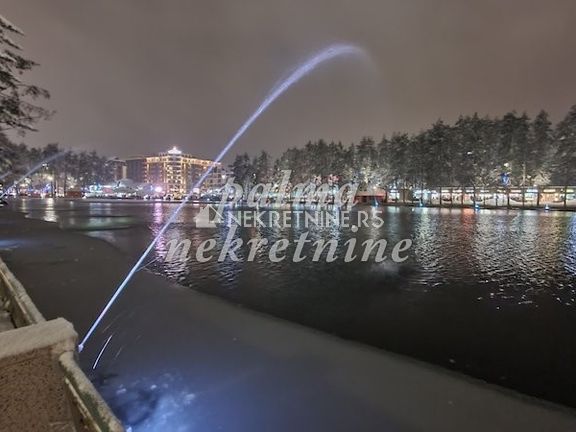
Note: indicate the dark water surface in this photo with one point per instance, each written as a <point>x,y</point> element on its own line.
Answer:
<point>490,293</point>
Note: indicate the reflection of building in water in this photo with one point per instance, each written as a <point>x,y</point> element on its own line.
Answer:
<point>174,172</point>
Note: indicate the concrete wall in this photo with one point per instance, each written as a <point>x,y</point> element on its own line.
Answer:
<point>42,388</point>
<point>33,393</point>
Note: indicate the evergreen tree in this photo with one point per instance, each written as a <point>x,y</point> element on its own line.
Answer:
<point>513,145</point>
<point>243,170</point>
<point>399,159</point>
<point>565,154</point>
<point>474,152</point>
<point>467,146</point>
<point>365,162</point>
<point>17,99</point>
<point>383,168</point>
<point>437,149</point>
<point>262,168</point>
<point>540,150</point>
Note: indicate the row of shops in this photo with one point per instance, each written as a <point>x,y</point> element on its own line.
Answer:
<point>529,197</point>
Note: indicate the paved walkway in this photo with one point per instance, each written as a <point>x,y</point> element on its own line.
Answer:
<point>175,359</point>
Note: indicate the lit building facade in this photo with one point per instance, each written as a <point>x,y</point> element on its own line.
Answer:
<point>175,173</point>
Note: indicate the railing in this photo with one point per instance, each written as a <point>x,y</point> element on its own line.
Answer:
<point>93,412</point>
<point>16,300</point>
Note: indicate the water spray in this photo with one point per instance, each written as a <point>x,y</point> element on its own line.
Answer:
<point>32,171</point>
<point>302,70</point>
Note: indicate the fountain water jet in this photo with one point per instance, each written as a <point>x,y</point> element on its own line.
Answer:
<point>305,68</point>
<point>31,171</point>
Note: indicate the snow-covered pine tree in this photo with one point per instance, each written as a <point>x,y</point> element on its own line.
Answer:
<point>18,110</point>
<point>565,157</point>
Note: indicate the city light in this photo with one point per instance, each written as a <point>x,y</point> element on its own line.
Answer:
<point>299,73</point>
<point>174,151</point>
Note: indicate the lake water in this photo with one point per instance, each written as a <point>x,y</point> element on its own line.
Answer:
<point>490,293</point>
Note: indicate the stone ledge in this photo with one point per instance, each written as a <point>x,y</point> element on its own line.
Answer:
<point>33,393</point>
<point>42,388</point>
<point>57,335</point>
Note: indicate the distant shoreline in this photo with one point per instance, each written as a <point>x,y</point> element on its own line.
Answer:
<point>458,206</point>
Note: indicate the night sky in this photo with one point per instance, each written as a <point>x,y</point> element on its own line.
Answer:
<point>134,77</point>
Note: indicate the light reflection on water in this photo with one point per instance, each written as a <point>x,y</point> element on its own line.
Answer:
<point>514,256</point>
<point>490,293</point>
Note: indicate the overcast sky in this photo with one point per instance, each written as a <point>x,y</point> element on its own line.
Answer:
<point>132,77</point>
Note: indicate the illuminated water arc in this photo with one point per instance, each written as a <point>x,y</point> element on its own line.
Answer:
<point>305,68</point>
<point>32,171</point>
<point>101,352</point>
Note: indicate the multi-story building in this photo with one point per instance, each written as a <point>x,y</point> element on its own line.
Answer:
<point>117,168</point>
<point>174,172</point>
<point>136,169</point>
